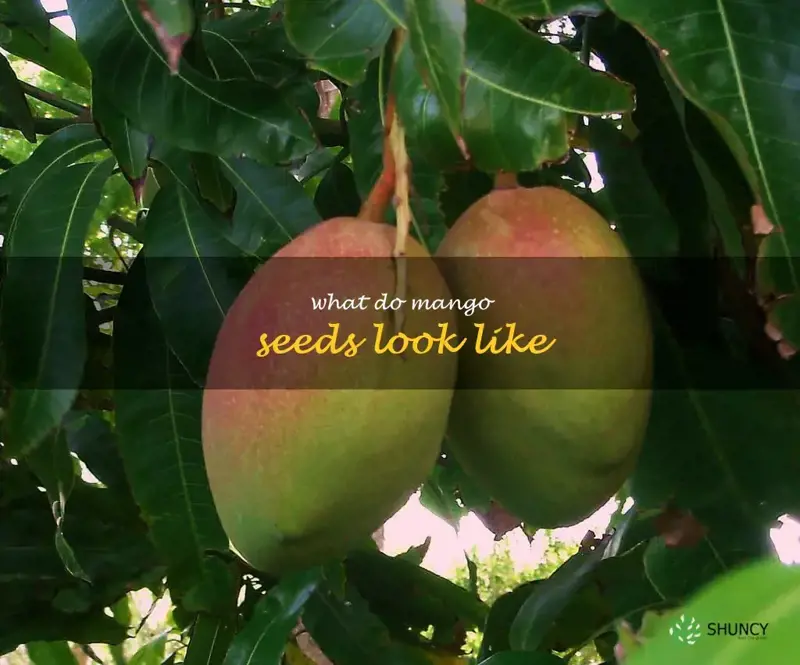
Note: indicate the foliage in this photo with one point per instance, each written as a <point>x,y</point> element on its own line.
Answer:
<point>149,165</point>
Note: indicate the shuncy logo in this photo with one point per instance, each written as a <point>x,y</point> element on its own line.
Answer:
<point>686,630</point>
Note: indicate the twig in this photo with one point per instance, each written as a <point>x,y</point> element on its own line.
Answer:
<point>52,99</point>
<point>103,276</point>
<point>58,14</point>
<point>40,125</point>
<point>586,51</point>
<point>217,8</point>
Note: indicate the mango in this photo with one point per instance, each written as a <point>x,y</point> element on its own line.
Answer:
<point>549,429</point>
<point>309,451</point>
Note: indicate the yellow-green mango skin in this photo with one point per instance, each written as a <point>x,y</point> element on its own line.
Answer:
<point>554,454</point>
<point>300,474</point>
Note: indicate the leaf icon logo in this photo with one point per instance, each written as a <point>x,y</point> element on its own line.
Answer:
<point>686,630</point>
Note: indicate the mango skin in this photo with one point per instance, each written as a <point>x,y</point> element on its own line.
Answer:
<point>300,474</point>
<point>558,446</point>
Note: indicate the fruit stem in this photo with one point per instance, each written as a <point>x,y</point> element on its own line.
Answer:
<point>380,196</point>
<point>505,180</point>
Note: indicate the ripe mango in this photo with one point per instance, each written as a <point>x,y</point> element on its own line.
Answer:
<point>551,436</point>
<point>309,453</point>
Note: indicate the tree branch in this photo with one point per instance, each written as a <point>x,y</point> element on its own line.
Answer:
<point>40,125</point>
<point>52,99</point>
<point>104,276</point>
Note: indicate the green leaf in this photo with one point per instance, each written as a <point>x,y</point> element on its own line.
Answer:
<point>210,640</point>
<point>212,185</point>
<point>263,639</point>
<point>151,653</point>
<point>172,22</point>
<point>158,424</point>
<point>766,592</point>
<point>31,15</point>
<point>543,9</point>
<point>13,100</point>
<point>500,82</point>
<point>43,308</point>
<point>436,35</point>
<point>189,110</point>
<point>341,623</point>
<point>60,55</point>
<point>549,598</point>
<point>337,195</point>
<point>130,146</point>
<point>271,207</point>
<point>50,653</point>
<point>722,56</point>
<point>397,589</point>
<point>340,37</point>
<point>639,213</point>
<point>90,437</point>
<point>189,260</point>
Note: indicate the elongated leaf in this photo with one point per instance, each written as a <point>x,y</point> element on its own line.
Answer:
<point>222,117</point>
<point>264,637</point>
<point>341,37</point>
<point>271,207</point>
<point>638,212</point>
<point>549,598</point>
<point>173,22</point>
<point>767,592</point>
<point>158,424</point>
<point>210,640</point>
<point>341,622</point>
<point>189,260</point>
<point>509,72</point>
<point>151,653</point>
<point>130,146</point>
<point>32,16</point>
<point>50,653</point>
<point>43,310</point>
<point>12,99</point>
<point>61,55</point>
<point>542,9</point>
<point>722,56</point>
<point>436,34</point>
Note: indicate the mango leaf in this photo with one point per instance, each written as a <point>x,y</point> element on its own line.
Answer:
<point>173,23</point>
<point>764,592</point>
<point>130,146</point>
<point>150,653</point>
<point>189,110</point>
<point>543,9</point>
<point>549,599</point>
<point>436,35</point>
<point>32,17</point>
<point>60,55</point>
<point>271,208</point>
<point>341,623</point>
<point>501,81</point>
<point>263,639</point>
<point>411,595</point>
<point>13,101</point>
<point>189,260</point>
<point>721,55</point>
<point>211,637</point>
<point>158,424</point>
<point>336,195</point>
<point>43,307</point>
<point>636,208</point>
<point>340,37</point>
<point>50,653</point>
